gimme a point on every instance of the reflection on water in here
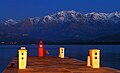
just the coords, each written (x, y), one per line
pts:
(110, 54)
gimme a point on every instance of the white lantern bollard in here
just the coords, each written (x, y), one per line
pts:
(61, 52)
(94, 58)
(22, 58)
(88, 61)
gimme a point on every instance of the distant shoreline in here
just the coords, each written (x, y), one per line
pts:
(63, 43)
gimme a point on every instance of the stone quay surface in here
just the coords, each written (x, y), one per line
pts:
(50, 64)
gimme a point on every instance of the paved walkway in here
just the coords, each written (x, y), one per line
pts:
(50, 64)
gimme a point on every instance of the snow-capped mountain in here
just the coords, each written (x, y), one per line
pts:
(10, 22)
(66, 16)
(65, 25)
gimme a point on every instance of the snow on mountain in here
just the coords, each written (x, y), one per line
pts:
(65, 25)
(47, 18)
(10, 22)
(115, 17)
(97, 16)
(36, 20)
(68, 16)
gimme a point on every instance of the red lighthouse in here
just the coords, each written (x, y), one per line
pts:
(41, 50)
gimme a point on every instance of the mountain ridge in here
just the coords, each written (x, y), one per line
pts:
(64, 25)
(60, 16)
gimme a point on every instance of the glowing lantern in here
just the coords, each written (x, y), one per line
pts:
(95, 58)
(41, 50)
(61, 52)
(22, 58)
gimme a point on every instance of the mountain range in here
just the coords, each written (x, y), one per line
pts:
(63, 26)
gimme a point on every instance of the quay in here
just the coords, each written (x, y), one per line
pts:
(50, 64)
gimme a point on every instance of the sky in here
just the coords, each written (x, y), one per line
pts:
(21, 9)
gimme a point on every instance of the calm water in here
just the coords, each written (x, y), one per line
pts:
(110, 54)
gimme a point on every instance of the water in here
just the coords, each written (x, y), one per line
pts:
(110, 54)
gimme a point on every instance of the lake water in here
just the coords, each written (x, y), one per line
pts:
(110, 54)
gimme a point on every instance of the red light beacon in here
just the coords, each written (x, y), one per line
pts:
(41, 50)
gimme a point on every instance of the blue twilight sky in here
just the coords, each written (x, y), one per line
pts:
(20, 9)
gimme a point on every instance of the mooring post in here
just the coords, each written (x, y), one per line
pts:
(94, 58)
(61, 52)
(22, 58)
